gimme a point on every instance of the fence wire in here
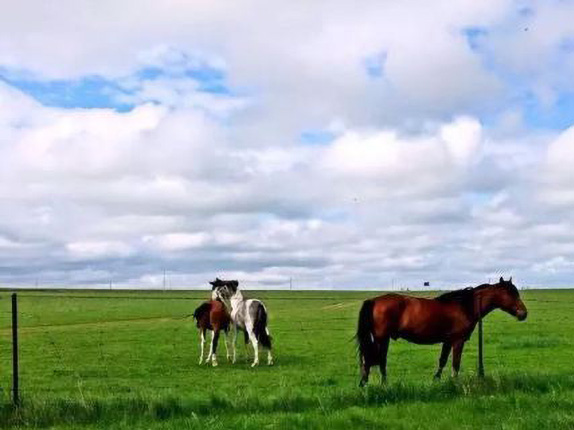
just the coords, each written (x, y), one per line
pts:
(80, 344)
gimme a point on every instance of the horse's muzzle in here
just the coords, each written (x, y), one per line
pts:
(521, 314)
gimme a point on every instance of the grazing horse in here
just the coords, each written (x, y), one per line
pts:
(448, 319)
(212, 316)
(249, 316)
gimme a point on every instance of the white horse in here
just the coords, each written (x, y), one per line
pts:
(249, 316)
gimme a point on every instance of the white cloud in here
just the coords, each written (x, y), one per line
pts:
(413, 186)
(557, 174)
(98, 250)
(462, 139)
(178, 241)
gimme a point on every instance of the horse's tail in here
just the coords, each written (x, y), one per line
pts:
(260, 327)
(367, 345)
(201, 311)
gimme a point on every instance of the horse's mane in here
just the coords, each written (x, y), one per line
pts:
(460, 295)
(464, 296)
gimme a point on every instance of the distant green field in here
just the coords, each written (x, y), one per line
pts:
(129, 360)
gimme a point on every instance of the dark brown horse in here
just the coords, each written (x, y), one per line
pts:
(212, 315)
(448, 319)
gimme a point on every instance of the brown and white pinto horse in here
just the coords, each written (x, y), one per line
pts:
(212, 315)
(448, 319)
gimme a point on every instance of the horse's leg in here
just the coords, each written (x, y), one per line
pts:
(211, 355)
(214, 340)
(202, 332)
(383, 358)
(456, 356)
(246, 342)
(443, 358)
(208, 359)
(370, 360)
(234, 343)
(365, 368)
(269, 355)
(255, 344)
(227, 346)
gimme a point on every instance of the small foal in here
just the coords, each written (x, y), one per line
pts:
(212, 315)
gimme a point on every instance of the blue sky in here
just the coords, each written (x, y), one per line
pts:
(339, 147)
(96, 91)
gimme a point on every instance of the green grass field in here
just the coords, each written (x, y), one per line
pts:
(129, 360)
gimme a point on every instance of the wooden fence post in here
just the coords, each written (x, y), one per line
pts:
(15, 387)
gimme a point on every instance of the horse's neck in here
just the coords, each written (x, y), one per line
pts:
(483, 302)
(237, 299)
(227, 303)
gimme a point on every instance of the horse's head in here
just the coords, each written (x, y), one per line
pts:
(221, 289)
(506, 297)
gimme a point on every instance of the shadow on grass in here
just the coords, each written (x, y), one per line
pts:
(45, 412)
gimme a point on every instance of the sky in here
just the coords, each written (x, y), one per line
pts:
(327, 144)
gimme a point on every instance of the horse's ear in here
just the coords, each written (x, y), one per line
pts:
(510, 280)
(501, 280)
(235, 283)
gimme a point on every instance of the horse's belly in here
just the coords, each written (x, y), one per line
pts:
(426, 332)
(239, 322)
(421, 339)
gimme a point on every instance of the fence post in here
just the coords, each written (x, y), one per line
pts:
(15, 388)
(480, 343)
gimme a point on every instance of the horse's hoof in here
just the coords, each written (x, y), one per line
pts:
(255, 363)
(214, 363)
(200, 362)
(270, 363)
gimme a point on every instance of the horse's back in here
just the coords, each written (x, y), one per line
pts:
(253, 304)
(398, 303)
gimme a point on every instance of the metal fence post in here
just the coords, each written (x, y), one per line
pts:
(15, 388)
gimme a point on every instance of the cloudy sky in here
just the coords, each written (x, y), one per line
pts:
(341, 144)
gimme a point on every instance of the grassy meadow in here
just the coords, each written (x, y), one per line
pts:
(97, 359)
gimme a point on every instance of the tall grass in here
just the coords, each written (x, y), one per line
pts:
(41, 412)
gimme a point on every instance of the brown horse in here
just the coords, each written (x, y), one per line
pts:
(212, 315)
(448, 319)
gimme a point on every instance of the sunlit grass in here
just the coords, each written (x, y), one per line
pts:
(127, 362)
